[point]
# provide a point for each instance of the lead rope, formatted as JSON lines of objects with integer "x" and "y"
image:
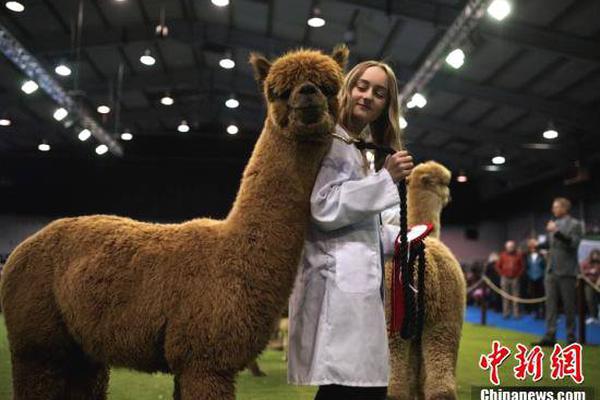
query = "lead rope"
{"x": 406, "y": 267}
{"x": 420, "y": 289}
{"x": 408, "y": 311}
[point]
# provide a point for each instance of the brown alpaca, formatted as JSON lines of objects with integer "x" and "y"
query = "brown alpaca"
{"x": 427, "y": 370}
{"x": 197, "y": 299}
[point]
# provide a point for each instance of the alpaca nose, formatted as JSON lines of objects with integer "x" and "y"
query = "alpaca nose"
{"x": 308, "y": 88}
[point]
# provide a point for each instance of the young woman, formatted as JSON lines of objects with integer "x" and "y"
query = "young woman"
{"x": 338, "y": 335}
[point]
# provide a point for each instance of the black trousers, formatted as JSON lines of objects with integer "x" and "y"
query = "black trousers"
{"x": 338, "y": 392}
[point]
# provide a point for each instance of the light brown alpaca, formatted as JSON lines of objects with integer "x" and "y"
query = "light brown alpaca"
{"x": 197, "y": 299}
{"x": 427, "y": 369}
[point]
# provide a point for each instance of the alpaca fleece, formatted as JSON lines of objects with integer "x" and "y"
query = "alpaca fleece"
{"x": 426, "y": 368}
{"x": 196, "y": 299}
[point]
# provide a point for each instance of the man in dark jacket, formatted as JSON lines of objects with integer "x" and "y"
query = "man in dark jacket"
{"x": 564, "y": 234}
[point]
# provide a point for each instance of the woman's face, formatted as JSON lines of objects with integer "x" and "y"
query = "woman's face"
{"x": 369, "y": 95}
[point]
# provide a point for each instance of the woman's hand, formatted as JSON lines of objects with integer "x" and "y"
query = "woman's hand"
{"x": 399, "y": 165}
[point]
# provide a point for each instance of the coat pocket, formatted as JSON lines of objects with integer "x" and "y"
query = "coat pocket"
{"x": 357, "y": 268}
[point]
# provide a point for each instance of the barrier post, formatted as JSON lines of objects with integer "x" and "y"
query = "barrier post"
{"x": 483, "y": 307}
{"x": 581, "y": 309}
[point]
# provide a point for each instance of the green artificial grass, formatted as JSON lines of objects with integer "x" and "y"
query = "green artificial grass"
{"x": 476, "y": 340}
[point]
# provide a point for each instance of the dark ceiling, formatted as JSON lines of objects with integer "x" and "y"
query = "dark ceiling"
{"x": 541, "y": 64}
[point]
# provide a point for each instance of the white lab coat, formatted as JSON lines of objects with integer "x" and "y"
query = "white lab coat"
{"x": 337, "y": 332}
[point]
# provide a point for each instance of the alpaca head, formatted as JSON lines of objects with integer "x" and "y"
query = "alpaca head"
{"x": 431, "y": 177}
{"x": 301, "y": 90}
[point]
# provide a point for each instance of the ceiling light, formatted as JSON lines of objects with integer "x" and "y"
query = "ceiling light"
{"x": 456, "y": 58}
{"x": 147, "y": 58}
{"x": 220, "y": 3}
{"x": 403, "y": 123}
{"x": 498, "y": 160}
{"x": 161, "y": 30}
{"x": 315, "y": 20}
{"x": 232, "y": 102}
{"x": 538, "y": 146}
{"x": 43, "y": 146}
{"x": 232, "y": 129}
{"x": 183, "y": 127}
{"x": 167, "y": 100}
{"x": 15, "y": 6}
{"x": 29, "y": 87}
{"x": 499, "y": 9}
{"x": 492, "y": 168}
{"x": 103, "y": 109}
{"x": 60, "y": 114}
{"x": 84, "y": 135}
{"x": 417, "y": 100}
{"x": 62, "y": 70}
{"x": 462, "y": 177}
{"x": 227, "y": 63}
{"x": 550, "y": 134}
{"x": 126, "y": 136}
{"x": 5, "y": 122}
{"x": 101, "y": 149}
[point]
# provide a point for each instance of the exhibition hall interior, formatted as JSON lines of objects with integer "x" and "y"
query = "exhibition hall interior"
{"x": 151, "y": 110}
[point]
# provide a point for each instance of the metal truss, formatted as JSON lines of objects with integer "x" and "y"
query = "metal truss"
{"x": 33, "y": 69}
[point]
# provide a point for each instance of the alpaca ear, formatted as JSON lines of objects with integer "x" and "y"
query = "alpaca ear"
{"x": 260, "y": 65}
{"x": 340, "y": 55}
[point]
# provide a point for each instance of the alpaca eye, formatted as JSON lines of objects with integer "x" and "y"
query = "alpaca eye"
{"x": 285, "y": 95}
{"x": 327, "y": 91}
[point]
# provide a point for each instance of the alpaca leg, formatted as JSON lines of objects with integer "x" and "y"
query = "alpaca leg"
{"x": 206, "y": 385}
{"x": 37, "y": 379}
{"x": 440, "y": 352}
{"x": 402, "y": 378}
{"x": 67, "y": 378}
{"x": 285, "y": 341}
{"x": 86, "y": 380}
{"x": 176, "y": 389}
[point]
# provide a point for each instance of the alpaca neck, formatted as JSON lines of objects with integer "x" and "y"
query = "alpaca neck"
{"x": 271, "y": 212}
{"x": 424, "y": 207}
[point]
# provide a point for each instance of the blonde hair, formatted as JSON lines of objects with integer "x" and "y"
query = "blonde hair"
{"x": 385, "y": 130}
